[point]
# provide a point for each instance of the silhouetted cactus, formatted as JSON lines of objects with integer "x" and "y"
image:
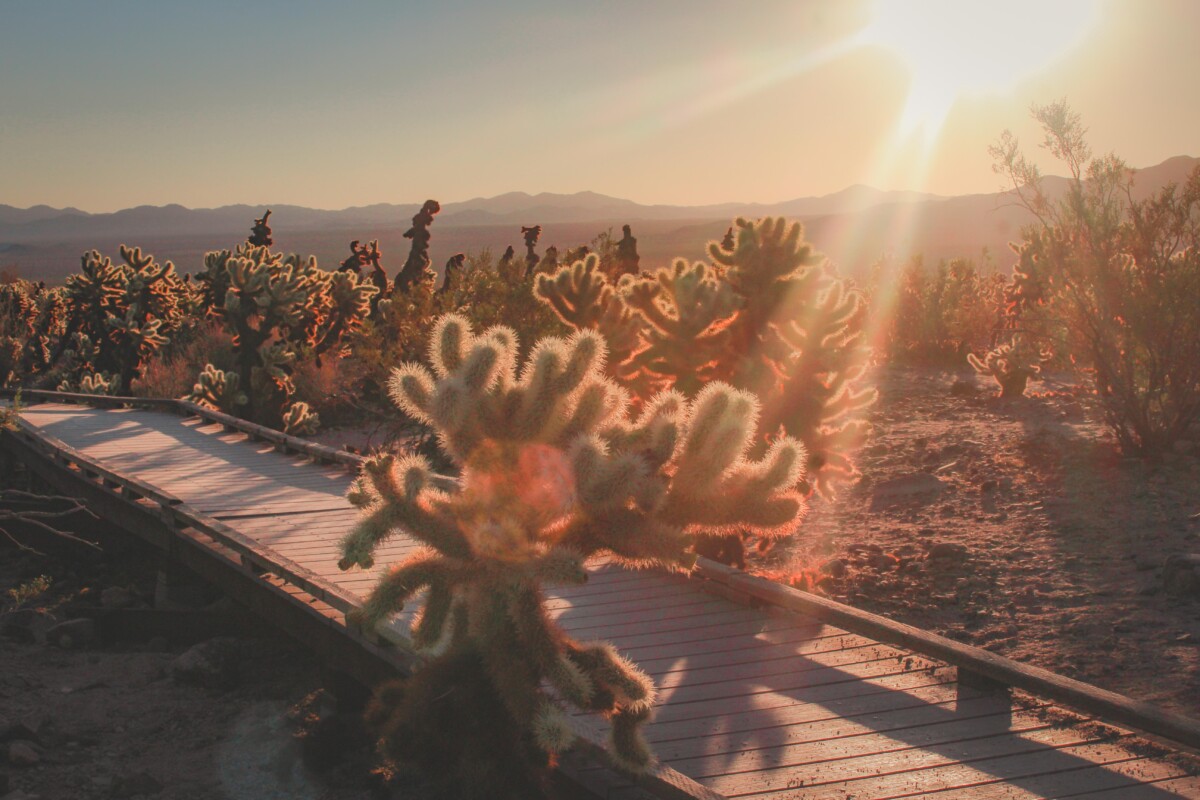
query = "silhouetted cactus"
{"x": 627, "y": 261}
{"x": 416, "y": 268}
{"x": 554, "y": 470}
{"x": 453, "y": 271}
{"x": 356, "y": 260}
{"x": 260, "y": 234}
{"x": 531, "y": 235}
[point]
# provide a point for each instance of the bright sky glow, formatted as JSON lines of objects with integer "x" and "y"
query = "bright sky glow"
{"x": 955, "y": 48}
{"x": 116, "y": 104}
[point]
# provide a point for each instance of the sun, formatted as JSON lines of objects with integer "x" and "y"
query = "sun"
{"x": 957, "y": 48}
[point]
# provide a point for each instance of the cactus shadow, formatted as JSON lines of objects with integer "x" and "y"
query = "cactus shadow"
{"x": 750, "y": 702}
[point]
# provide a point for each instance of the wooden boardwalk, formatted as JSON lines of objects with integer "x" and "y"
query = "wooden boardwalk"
{"x": 758, "y": 702}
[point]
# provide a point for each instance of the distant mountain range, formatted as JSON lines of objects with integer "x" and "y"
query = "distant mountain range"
{"x": 853, "y": 227}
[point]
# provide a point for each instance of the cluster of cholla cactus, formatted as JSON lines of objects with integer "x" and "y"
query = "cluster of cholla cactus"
{"x": 18, "y": 312}
{"x": 277, "y": 308}
{"x": 115, "y": 316}
{"x": 555, "y": 468}
{"x": 767, "y": 315}
{"x": 1012, "y": 365}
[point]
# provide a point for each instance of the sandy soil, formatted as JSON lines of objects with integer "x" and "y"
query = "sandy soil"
{"x": 117, "y": 719}
{"x": 1051, "y": 546}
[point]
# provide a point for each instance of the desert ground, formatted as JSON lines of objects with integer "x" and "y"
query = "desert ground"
{"x": 1011, "y": 525}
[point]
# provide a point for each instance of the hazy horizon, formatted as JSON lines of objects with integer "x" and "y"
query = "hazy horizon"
{"x": 682, "y": 104}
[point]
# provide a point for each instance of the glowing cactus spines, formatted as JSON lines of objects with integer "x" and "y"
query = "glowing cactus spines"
{"x": 767, "y": 315}
{"x": 116, "y": 315}
{"x": 555, "y": 469}
{"x": 416, "y": 268}
{"x": 1012, "y": 365}
{"x": 582, "y": 297}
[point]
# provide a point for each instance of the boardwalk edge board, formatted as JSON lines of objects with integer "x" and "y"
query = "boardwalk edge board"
{"x": 976, "y": 667}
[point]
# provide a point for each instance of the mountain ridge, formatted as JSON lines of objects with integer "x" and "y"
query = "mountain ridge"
{"x": 854, "y": 227}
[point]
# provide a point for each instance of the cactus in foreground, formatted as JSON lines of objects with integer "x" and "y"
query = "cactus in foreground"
{"x": 1012, "y": 365}
{"x": 554, "y": 469}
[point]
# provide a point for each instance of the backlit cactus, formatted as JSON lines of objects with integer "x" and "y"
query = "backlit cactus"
{"x": 767, "y": 315}
{"x": 115, "y": 317}
{"x": 555, "y": 468}
{"x": 278, "y": 308}
{"x": 1012, "y": 365}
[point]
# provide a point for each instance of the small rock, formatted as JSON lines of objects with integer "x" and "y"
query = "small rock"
{"x": 905, "y": 488}
{"x": 74, "y": 634}
{"x": 31, "y": 727}
{"x": 139, "y": 783}
{"x": 835, "y": 568}
{"x": 947, "y": 550}
{"x": 213, "y": 664}
{"x": 962, "y": 388}
{"x": 117, "y": 597}
{"x": 884, "y": 562}
{"x": 22, "y": 753}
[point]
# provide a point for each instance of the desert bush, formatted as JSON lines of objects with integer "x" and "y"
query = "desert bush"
{"x": 554, "y": 469}
{"x": 1112, "y": 281}
{"x": 935, "y": 318}
{"x": 173, "y": 373}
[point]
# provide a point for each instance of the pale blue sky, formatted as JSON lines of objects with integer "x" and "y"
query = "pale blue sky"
{"x": 105, "y": 105}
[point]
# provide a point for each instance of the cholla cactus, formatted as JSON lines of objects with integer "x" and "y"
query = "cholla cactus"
{"x": 93, "y": 383}
{"x": 1012, "y": 365}
{"x": 266, "y": 295}
{"x": 767, "y": 316}
{"x": 278, "y": 308}
{"x": 116, "y": 316}
{"x": 554, "y": 470}
{"x": 18, "y": 313}
{"x": 583, "y": 298}
{"x": 416, "y": 268}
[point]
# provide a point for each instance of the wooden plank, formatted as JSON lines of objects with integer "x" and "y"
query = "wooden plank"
{"x": 705, "y": 711}
{"x": 920, "y": 773}
{"x": 885, "y": 711}
{"x": 1073, "y": 693}
{"x": 1136, "y": 779}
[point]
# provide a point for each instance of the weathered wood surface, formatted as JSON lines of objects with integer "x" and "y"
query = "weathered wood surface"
{"x": 754, "y": 702}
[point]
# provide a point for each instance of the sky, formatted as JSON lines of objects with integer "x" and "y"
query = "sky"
{"x": 116, "y": 104}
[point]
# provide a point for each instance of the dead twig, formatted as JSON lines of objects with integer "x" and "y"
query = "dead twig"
{"x": 35, "y": 517}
